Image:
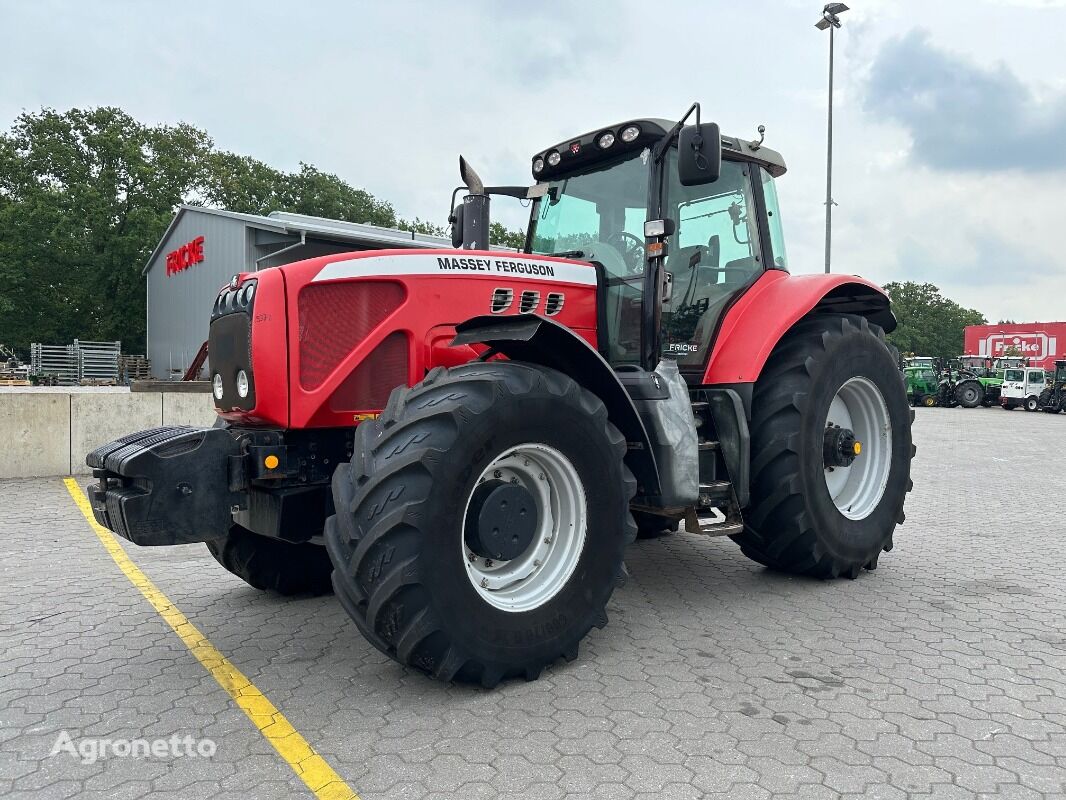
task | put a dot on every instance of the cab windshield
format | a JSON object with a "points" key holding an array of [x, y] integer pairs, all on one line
{"points": [[599, 215]]}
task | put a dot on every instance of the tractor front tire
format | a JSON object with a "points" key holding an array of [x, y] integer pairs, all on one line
{"points": [[431, 566], [1031, 403], [829, 373], [970, 394], [272, 564]]}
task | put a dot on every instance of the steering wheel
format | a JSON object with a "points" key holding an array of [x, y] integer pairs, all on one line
{"points": [[631, 248]]}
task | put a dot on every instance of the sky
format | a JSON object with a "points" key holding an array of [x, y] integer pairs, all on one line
{"points": [[949, 115]]}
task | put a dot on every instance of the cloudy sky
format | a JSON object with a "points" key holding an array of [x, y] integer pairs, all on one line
{"points": [[950, 161]]}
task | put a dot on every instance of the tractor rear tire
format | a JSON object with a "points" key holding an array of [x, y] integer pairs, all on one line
{"points": [[794, 523], [970, 394], [408, 539], [272, 564]]}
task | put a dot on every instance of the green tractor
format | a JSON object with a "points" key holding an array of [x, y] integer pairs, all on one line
{"points": [[921, 382], [1053, 398], [980, 379]]}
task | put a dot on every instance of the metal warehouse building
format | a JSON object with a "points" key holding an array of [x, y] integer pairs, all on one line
{"points": [[203, 248]]}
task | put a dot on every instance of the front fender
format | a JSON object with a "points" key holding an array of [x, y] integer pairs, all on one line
{"points": [[753, 326], [536, 339]]}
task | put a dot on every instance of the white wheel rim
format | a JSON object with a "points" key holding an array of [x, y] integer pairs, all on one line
{"points": [[533, 578], [857, 489]]}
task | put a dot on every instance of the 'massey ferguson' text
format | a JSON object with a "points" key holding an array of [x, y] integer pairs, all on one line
{"points": [[495, 265]]}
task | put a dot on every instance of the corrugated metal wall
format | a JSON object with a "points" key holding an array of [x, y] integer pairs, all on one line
{"points": [[179, 305]]}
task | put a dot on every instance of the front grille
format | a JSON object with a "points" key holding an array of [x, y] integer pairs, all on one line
{"points": [[528, 301], [372, 381], [335, 317]]}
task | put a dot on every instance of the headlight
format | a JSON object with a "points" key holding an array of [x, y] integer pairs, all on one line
{"points": [[242, 383], [538, 165], [630, 132], [216, 386], [605, 140], [554, 158]]}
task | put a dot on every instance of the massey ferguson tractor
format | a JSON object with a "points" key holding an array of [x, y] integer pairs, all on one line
{"points": [[461, 443]]}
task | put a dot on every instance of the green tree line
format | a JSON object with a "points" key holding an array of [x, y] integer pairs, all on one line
{"points": [[929, 323], [85, 195]]}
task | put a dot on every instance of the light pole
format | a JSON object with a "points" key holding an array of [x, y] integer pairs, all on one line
{"points": [[831, 20]]}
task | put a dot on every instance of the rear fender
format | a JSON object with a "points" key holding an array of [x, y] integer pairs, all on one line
{"points": [[535, 339], [754, 325]]}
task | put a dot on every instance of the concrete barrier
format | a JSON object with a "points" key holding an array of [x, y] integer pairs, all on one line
{"points": [[47, 431], [188, 409], [34, 434]]}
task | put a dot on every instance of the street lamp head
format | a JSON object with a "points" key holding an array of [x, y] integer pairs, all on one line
{"points": [[829, 16]]}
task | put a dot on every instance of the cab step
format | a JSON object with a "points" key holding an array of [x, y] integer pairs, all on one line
{"points": [[712, 522]]}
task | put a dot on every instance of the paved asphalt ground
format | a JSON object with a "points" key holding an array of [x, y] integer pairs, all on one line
{"points": [[942, 674]]}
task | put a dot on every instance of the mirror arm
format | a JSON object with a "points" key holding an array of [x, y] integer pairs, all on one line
{"points": [[664, 143]]}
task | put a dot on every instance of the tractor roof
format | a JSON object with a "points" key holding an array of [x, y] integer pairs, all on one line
{"points": [[580, 150]]}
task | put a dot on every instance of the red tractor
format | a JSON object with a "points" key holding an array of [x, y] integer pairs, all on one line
{"points": [[461, 443]]}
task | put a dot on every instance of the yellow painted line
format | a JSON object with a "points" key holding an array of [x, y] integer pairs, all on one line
{"points": [[311, 768]]}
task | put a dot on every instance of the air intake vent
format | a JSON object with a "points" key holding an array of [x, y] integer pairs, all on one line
{"points": [[554, 303], [529, 301], [501, 300]]}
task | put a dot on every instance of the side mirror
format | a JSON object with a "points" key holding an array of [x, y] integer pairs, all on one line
{"points": [[457, 227], [699, 154]]}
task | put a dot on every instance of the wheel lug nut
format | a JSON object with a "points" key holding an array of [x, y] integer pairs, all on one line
{"points": [[484, 583], [497, 474]]}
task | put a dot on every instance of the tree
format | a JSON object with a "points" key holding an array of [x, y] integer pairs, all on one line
{"points": [[929, 323], [244, 184], [84, 196]]}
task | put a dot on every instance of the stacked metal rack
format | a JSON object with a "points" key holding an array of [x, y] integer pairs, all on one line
{"points": [[56, 360], [81, 362], [97, 361]]}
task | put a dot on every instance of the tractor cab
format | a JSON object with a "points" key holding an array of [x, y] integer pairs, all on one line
{"points": [[1022, 387], [678, 221], [626, 197], [1053, 398]]}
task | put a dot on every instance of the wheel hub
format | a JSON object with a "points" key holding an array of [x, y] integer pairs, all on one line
{"points": [[518, 561], [858, 422], [501, 521], [839, 447]]}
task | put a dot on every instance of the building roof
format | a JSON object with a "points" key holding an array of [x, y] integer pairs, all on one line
{"points": [[319, 227]]}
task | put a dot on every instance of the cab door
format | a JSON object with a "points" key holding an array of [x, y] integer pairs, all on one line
{"points": [[721, 246], [1034, 382]]}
